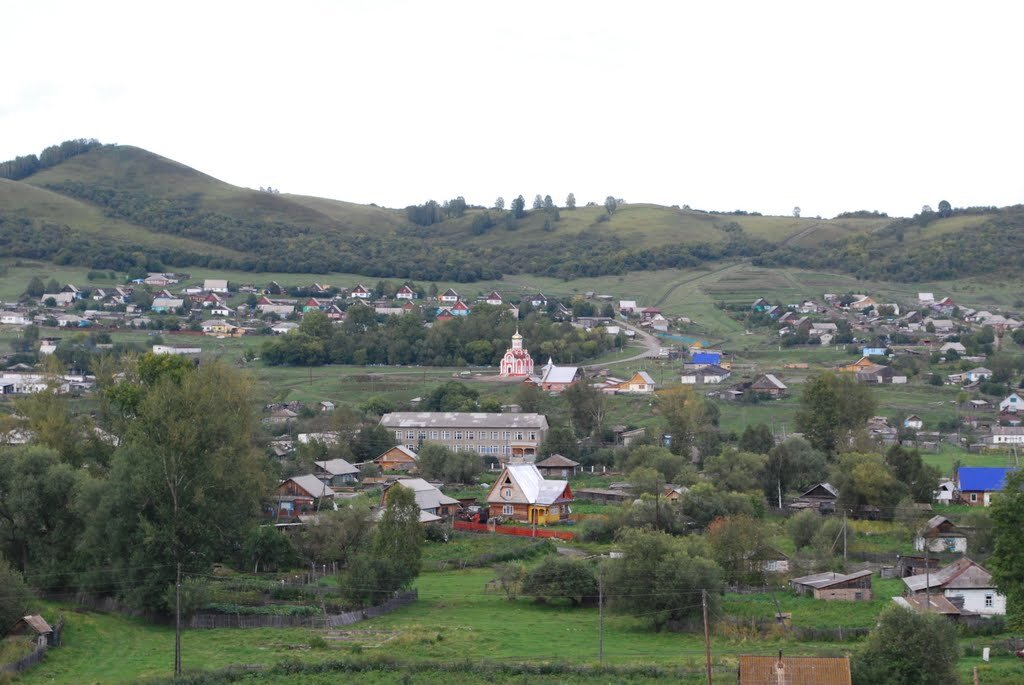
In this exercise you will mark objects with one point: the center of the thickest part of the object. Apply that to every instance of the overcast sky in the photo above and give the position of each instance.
(761, 106)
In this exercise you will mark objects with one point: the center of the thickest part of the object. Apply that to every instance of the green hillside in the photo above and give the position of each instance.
(105, 205)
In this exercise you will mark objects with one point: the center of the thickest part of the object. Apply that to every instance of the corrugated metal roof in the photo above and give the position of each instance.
(794, 670)
(982, 478)
(829, 578)
(961, 574)
(313, 485)
(536, 489)
(337, 467)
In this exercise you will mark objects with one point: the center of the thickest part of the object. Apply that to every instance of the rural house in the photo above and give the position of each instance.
(822, 498)
(434, 505)
(556, 378)
(336, 472)
(298, 495)
(940, 535)
(965, 583)
(641, 383)
(400, 458)
(557, 466)
(522, 493)
(977, 484)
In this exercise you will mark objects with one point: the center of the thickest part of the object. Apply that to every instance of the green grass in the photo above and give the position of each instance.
(456, 620)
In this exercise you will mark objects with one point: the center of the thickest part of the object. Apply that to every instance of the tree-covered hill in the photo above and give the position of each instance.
(112, 206)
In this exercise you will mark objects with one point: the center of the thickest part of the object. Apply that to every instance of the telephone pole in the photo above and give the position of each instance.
(177, 623)
(600, 615)
(844, 535)
(707, 636)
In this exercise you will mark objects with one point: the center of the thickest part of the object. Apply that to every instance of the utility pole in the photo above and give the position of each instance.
(844, 535)
(927, 578)
(707, 636)
(600, 615)
(177, 623)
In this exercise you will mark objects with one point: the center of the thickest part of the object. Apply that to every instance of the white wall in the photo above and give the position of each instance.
(974, 600)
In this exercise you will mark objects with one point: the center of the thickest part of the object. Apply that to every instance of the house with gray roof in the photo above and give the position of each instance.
(523, 494)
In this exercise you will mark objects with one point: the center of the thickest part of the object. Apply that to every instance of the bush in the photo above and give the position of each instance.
(562, 578)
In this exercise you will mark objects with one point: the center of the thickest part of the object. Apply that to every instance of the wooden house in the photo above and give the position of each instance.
(336, 472)
(522, 493)
(940, 535)
(434, 505)
(822, 498)
(398, 458)
(298, 496)
(557, 466)
(640, 383)
(768, 384)
(965, 583)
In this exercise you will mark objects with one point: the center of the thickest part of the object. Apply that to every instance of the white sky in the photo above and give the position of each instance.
(720, 105)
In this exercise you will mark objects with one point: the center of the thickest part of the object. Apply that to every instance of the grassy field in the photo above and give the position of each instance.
(457, 619)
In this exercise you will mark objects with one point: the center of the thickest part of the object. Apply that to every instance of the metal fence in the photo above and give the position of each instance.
(208, 620)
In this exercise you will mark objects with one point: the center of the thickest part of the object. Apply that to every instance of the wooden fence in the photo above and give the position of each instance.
(207, 620)
(514, 530)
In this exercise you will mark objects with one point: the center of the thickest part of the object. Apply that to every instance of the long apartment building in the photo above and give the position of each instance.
(500, 435)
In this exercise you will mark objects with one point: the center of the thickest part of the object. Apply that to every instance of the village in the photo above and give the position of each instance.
(528, 478)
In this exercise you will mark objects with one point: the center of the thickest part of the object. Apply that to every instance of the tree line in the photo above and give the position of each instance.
(479, 339)
(23, 167)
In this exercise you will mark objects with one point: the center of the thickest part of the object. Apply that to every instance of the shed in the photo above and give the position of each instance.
(34, 625)
(833, 586)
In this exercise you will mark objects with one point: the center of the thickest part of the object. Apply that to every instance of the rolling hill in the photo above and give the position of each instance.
(108, 205)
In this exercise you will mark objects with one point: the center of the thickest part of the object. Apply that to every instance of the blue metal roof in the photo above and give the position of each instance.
(988, 478)
(707, 357)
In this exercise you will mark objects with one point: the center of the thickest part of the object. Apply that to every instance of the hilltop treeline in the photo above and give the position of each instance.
(904, 251)
(23, 167)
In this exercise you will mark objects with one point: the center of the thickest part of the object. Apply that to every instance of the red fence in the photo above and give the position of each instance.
(514, 530)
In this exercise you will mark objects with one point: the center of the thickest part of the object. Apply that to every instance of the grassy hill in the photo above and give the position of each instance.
(105, 206)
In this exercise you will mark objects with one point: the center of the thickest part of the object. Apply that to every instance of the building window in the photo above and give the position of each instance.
(494, 435)
(458, 435)
(858, 595)
(445, 435)
(988, 600)
(423, 435)
(398, 434)
(506, 435)
(506, 509)
(974, 497)
(470, 435)
(533, 436)
(519, 435)
(433, 435)
(507, 492)
(410, 434)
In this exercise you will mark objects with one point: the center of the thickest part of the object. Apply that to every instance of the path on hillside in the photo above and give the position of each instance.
(693, 279)
(802, 234)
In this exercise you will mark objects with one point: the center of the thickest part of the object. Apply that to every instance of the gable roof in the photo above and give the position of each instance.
(961, 574)
(556, 461)
(983, 478)
(312, 485)
(799, 670)
(826, 486)
(829, 578)
(427, 496)
(533, 485)
(768, 381)
(935, 604)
